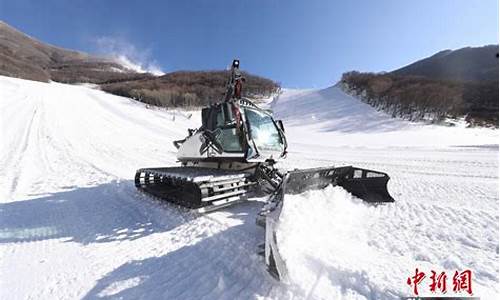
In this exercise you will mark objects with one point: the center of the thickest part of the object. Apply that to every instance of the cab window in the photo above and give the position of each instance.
(228, 137)
(263, 131)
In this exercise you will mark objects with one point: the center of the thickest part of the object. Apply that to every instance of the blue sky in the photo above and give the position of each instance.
(298, 43)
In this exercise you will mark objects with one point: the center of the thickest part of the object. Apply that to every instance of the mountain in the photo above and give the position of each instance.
(24, 57)
(466, 64)
(450, 84)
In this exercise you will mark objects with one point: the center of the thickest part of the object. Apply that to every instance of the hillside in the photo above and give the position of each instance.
(450, 84)
(189, 88)
(466, 64)
(22, 56)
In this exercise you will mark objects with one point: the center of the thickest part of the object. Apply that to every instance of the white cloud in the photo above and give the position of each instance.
(128, 55)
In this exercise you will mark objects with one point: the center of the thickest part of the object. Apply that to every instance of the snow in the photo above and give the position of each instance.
(346, 121)
(445, 218)
(72, 224)
(138, 67)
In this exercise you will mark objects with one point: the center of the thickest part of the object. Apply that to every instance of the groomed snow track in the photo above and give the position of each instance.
(73, 226)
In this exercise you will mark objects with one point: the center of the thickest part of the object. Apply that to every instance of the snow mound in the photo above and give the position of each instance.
(335, 244)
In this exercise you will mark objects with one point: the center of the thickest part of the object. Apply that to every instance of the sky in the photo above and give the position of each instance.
(301, 44)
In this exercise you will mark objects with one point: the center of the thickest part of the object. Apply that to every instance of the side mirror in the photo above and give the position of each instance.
(280, 124)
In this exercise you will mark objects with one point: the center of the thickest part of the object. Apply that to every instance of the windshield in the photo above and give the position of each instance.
(263, 131)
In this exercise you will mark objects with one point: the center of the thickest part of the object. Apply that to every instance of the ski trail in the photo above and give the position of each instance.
(73, 226)
(75, 216)
(16, 166)
(445, 216)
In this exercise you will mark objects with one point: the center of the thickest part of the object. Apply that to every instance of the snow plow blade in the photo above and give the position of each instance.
(368, 185)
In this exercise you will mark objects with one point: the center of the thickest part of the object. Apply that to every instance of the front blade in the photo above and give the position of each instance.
(368, 185)
(303, 180)
(371, 186)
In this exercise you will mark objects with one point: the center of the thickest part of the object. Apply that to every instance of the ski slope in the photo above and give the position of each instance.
(72, 225)
(445, 218)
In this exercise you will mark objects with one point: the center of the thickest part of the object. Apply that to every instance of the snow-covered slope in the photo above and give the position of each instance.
(343, 120)
(73, 226)
(445, 218)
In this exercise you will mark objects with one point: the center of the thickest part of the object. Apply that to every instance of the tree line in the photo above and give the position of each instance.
(421, 98)
(188, 88)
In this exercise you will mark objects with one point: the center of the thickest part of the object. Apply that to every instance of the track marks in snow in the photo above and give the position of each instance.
(438, 221)
(16, 166)
(201, 257)
(74, 225)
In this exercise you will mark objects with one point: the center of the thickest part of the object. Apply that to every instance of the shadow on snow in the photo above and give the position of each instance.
(223, 266)
(103, 213)
(217, 267)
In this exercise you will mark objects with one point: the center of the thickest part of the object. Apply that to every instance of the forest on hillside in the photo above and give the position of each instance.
(420, 98)
(188, 89)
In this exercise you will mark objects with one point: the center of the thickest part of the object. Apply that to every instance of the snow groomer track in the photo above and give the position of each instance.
(194, 187)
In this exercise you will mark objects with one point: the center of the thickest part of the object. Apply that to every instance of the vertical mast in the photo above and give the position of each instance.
(235, 82)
